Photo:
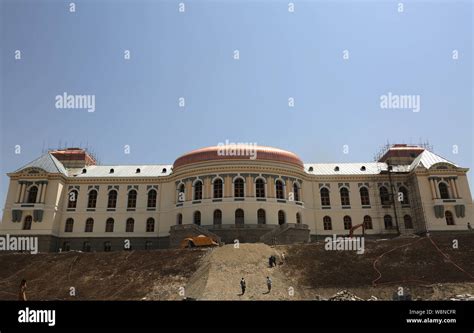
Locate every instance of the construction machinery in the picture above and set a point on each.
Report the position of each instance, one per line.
(353, 228)
(198, 241)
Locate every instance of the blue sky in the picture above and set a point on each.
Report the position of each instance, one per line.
(190, 55)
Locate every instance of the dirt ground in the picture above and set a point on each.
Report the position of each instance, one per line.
(307, 272)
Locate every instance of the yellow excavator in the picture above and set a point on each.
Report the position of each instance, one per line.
(198, 241)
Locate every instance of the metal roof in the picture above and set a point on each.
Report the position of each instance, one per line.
(427, 159)
(121, 171)
(370, 168)
(46, 162)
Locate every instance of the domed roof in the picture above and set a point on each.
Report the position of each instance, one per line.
(238, 152)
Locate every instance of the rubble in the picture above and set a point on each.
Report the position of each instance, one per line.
(344, 295)
(462, 297)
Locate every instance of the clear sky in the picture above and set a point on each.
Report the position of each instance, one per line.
(282, 54)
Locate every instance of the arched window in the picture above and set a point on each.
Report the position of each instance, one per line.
(181, 190)
(197, 217)
(198, 190)
(112, 199)
(89, 225)
(239, 216)
(281, 217)
(260, 188)
(387, 220)
(449, 218)
(443, 191)
(327, 223)
(27, 223)
(218, 188)
(69, 225)
(325, 200)
(152, 194)
(179, 218)
(408, 222)
(150, 224)
(347, 222)
(72, 199)
(92, 199)
(384, 196)
(130, 225)
(107, 246)
(132, 199)
(261, 216)
(280, 194)
(109, 225)
(345, 200)
(364, 196)
(403, 195)
(368, 222)
(217, 216)
(32, 194)
(298, 218)
(239, 188)
(296, 192)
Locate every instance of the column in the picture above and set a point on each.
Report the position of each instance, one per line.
(432, 186)
(437, 189)
(455, 186)
(250, 186)
(43, 192)
(39, 193)
(227, 187)
(189, 190)
(22, 195)
(289, 188)
(207, 188)
(271, 187)
(450, 188)
(18, 191)
(454, 193)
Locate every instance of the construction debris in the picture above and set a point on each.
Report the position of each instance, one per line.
(344, 295)
(462, 297)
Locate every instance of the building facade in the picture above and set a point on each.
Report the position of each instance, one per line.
(71, 203)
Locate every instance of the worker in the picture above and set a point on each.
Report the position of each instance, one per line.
(269, 284)
(270, 261)
(243, 285)
(22, 294)
(469, 226)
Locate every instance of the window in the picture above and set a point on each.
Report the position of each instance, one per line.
(443, 191)
(179, 218)
(89, 225)
(181, 189)
(132, 199)
(368, 222)
(86, 246)
(281, 217)
(109, 225)
(296, 192)
(279, 189)
(261, 217)
(347, 222)
(130, 225)
(239, 216)
(66, 246)
(112, 200)
(364, 196)
(218, 188)
(325, 200)
(198, 190)
(32, 194)
(387, 220)
(150, 224)
(449, 218)
(408, 222)
(152, 194)
(260, 188)
(345, 201)
(403, 195)
(217, 217)
(298, 218)
(107, 246)
(384, 196)
(27, 223)
(72, 199)
(327, 223)
(239, 188)
(197, 217)
(69, 225)
(92, 199)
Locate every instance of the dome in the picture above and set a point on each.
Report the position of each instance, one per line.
(238, 152)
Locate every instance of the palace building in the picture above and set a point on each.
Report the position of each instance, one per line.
(70, 202)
